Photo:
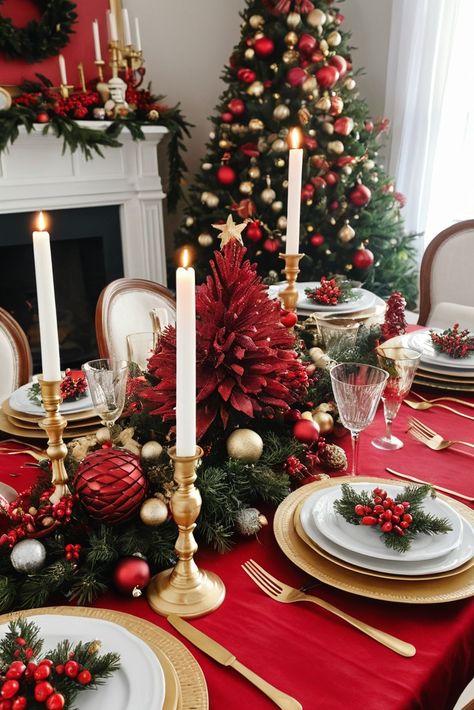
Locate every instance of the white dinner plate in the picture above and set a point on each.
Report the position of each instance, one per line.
(366, 541)
(366, 299)
(139, 682)
(420, 340)
(453, 559)
(19, 400)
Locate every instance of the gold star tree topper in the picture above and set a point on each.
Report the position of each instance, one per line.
(230, 230)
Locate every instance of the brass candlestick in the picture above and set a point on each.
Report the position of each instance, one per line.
(64, 90)
(289, 295)
(100, 68)
(184, 589)
(54, 425)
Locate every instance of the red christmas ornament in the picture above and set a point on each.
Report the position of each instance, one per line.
(264, 47)
(316, 240)
(360, 195)
(271, 245)
(20, 703)
(250, 150)
(337, 104)
(331, 178)
(110, 484)
(343, 125)
(319, 182)
(246, 75)
(340, 64)
(306, 432)
(245, 208)
(227, 117)
(369, 126)
(307, 192)
(327, 76)
(307, 43)
(254, 231)
(289, 319)
(236, 107)
(226, 175)
(42, 117)
(131, 576)
(296, 76)
(317, 56)
(363, 258)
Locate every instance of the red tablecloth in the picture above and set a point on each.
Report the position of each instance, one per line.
(310, 654)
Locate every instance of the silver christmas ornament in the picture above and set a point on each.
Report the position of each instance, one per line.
(28, 556)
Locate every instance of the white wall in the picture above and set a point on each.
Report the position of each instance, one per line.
(187, 42)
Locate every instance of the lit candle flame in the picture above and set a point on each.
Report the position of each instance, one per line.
(294, 138)
(41, 222)
(185, 258)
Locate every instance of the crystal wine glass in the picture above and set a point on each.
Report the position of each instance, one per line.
(140, 348)
(107, 380)
(400, 363)
(357, 389)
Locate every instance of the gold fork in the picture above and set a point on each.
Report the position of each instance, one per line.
(35, 454)
(431, 438)
(441, 399)
(427, 405)
(283, 593)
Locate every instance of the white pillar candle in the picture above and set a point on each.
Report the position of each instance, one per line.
(46, 304)
(62, 70)
(127, 35)
(112, 23)
(185, 359)
(95, 32)
(138, 39)
(295, 168)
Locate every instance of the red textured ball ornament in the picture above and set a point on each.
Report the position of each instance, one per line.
(226, 175)
(327, 77)
(236, 107)
(306, 432)
(264, 47)
(131, 576)
(362, 259)
(110, 484)
(254, 232)
(296, 76)
(360, 195)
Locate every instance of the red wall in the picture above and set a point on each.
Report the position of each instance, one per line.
(79, 49)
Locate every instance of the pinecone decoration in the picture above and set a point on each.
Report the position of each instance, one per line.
(332, 457)
(246, 365)
(395, 322)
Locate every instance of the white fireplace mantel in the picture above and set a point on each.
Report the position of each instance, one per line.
(35, 174)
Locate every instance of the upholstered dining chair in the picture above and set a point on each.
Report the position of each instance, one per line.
(124, 307)
(15, 355)
(446, 286)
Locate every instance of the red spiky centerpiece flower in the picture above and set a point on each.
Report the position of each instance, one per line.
(246, 362)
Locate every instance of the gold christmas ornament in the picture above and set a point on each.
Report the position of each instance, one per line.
(328, 128)
(154, 512)
(258, 35)
(280, 112)
(316, 18)
(189, 221)
(334, 39)
(282, 222)
(309, 228)
(225, 144)
(255, 124)
(277, 206)
(254, 172)
(324, 103)
(238, 129)
(346, 233)
(326, 407)
(262, 145)
(293, 20)
(256, 88)
(291, 56)
(274, 67)
(291, 39)
(205, 239)
(153, 115)
(349, 84)
(325, 422)
(256, 22)
(207, 166)
(246, 187)
(245, 445)
(212, 201)
(268, 195)
(280, 163)
(348, 267)
(276, 96)
(323, 46)
(347, 170)
(307, 415)
(279, 146)
(212, 135)
(249, 53)
(304, 116)
(102, 435)
(336, 147)
(310, 85)
(369, 164)
(151, 451)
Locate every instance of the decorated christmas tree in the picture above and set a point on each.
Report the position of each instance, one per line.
(293, 67)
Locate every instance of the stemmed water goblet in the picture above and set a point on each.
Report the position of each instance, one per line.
(400, 363)
(107, 381)
(357, 389)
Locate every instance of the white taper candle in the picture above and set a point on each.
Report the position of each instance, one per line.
(112, 24)
(295, 169)
(127, 35)
(62, 70)
(95, 32)
(185, 360)
(138, 39)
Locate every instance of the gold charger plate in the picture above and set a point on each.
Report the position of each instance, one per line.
(71, 417)
(33, 426)
(186, 687)
(433, 591)
(371, 573)
(38, 433)
(436, 375)
(445, 385)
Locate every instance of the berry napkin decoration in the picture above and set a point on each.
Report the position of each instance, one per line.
(333, 290)
(399, 520)
(454, 342)
(72, 388)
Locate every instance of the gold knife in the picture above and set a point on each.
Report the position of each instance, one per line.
(226, 658)
(437, 488)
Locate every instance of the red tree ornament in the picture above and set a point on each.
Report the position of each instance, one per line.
(395, 322)
(236, 107)
(254, 231)
(226, 175)
(306, 432)
(307, 43)
(246, 363)
(327, 76)
(363, 258)
(296, 76)
(110, 484)
(131, 576)
(264, 47)
(360, 196)
(317, 240)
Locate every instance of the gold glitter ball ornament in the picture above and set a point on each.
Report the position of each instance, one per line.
(212, 200)
(336, 147)
(282, 222)
(324, 103)
(246, 187)
(277, 206)
(279, 146)
(304, 116)
(256, 22)
(291, 56)
(245, 445)
(151, 451)
(291, 39)
(325, 422)
(189, 221)
(256, 88)
(280, 163)
(154, 512)
(334, 39)
(310, 85)
(255, 124)
(249, 53)
(280, 112)
(249, 521)
(254, 172)
(268, 195)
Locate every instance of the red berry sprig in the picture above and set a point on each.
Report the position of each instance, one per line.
(73, 388)
(454, 342)
(328, 293)
(392, 517)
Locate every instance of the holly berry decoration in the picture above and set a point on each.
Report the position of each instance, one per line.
(131, 576)
(454, 342)
(362, 259)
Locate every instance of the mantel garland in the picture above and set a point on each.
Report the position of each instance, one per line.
(41, 38)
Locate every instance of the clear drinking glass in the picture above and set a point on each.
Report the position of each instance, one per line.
(357, 389)
(400, 363)
(336, 330)
(140, 347)
(107, 381)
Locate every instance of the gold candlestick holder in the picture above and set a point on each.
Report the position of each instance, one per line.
(289, 295)
(54, 425)
(65, 89)
(185, 589)
(100, 68)
(133, 57)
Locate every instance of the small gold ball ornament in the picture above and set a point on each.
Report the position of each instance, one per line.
(307, 415)
(346, 233)
(323, 104)
(291, 39)
(151, 451)
(328, 128)
(280, 112)
(249, 53)
(246, 187)
(268, 195)
(334, 39)
(153, 115)
(279, 146)
(326, 407)
(189, 221)
(316, 18)
(256, 88)
(310, 85)
(277, 206)
(102, 435)
(212, 201)
(349, 84)
(282, 222)
(254, 172)
(256, 22)
(336, 147)
(154, 512)
(255, 124)
(291, 56)
(325, 422)
(245, 445)
(206, 166)
(280, 163)
(205, 239)
(304, 116)
(293, 20)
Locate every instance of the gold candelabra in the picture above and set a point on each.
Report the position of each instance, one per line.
(185, 589)
(289, 295)
(100, 68)
(54, 425)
